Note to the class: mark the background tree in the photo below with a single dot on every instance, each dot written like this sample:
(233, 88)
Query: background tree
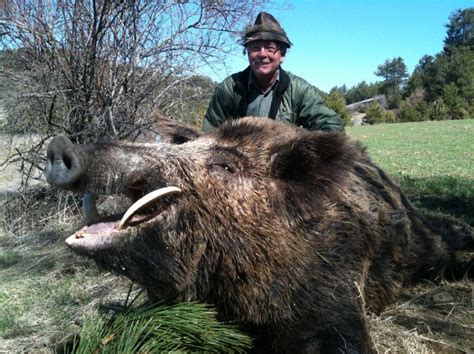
(394, 72)
(423, 72)
(438, 110)
(457, 106)
(376, 114)
(449, 77)
(342, 89)
(460, 30)
(335, 100)
(413, 112)
(362, 91)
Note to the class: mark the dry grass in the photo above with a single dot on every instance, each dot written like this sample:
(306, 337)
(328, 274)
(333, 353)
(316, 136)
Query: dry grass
(428, 318)
(46, 292)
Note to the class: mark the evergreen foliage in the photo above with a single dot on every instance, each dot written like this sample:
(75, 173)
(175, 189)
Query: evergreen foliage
(438, 110)
(376, 114)
(423, 110)
(395, 74)
(390, 117)
(457, 105)
(394, 97)
(335, 100)
(184, 327)
(393, 71)
(460, 30)
(362, 91)
(412, 113)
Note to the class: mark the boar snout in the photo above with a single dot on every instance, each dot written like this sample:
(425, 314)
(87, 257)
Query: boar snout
(63, 166)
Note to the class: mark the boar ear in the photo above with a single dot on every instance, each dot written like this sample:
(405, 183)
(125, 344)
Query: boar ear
(174, 132)
(312, 157)
(167, 130)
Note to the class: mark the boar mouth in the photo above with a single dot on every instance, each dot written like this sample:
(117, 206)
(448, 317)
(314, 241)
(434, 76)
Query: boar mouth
(100, 232)
(143, 204)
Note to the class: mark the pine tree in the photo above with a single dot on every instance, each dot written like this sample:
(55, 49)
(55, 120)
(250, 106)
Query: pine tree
(335, 100)
(460, 30)
(395, 74)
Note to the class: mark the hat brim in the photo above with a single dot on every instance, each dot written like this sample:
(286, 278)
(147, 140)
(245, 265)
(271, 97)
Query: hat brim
(266, 36)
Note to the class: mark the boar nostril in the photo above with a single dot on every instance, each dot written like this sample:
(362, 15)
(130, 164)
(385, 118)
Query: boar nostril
(67, 162)
(64, 167)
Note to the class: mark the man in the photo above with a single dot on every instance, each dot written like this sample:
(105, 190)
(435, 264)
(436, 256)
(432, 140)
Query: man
(264, 89)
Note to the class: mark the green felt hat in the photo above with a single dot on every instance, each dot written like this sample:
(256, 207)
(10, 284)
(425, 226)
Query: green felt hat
(266, 27)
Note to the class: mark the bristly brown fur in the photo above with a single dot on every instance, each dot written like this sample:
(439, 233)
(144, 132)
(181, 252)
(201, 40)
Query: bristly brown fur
(289, 233)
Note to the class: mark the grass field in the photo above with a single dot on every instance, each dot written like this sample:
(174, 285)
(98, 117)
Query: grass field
(433, 162)
(425, 149)
(46, 292)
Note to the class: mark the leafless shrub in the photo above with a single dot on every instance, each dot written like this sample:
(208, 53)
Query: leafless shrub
(98, 68)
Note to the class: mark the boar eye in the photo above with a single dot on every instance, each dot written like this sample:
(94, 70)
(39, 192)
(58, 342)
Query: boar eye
(222, 168)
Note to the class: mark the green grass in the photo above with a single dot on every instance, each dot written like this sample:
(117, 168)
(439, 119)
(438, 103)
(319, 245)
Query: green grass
(424, 149)
(432, 161)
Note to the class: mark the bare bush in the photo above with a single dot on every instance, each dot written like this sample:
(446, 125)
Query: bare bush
(98, 68)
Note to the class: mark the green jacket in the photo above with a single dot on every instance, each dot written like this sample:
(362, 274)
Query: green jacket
(294, 101)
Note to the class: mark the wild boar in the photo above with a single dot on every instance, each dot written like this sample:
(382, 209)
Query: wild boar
(289, 233)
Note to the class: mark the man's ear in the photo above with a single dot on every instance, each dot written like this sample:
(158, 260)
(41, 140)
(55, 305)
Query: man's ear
(168, 130)
(313, 157)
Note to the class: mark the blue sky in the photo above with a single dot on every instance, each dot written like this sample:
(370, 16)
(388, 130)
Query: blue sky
(343, 41)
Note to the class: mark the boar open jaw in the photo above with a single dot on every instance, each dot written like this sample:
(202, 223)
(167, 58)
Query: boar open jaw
(100, 233)
(144, 202)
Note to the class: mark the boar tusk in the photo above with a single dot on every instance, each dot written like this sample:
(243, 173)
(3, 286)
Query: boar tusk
(89, 208)
(145, 201)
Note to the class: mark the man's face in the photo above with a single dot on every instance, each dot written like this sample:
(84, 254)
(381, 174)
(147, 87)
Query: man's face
(265, 58)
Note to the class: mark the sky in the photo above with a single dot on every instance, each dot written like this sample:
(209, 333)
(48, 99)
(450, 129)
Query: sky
(343, 41)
